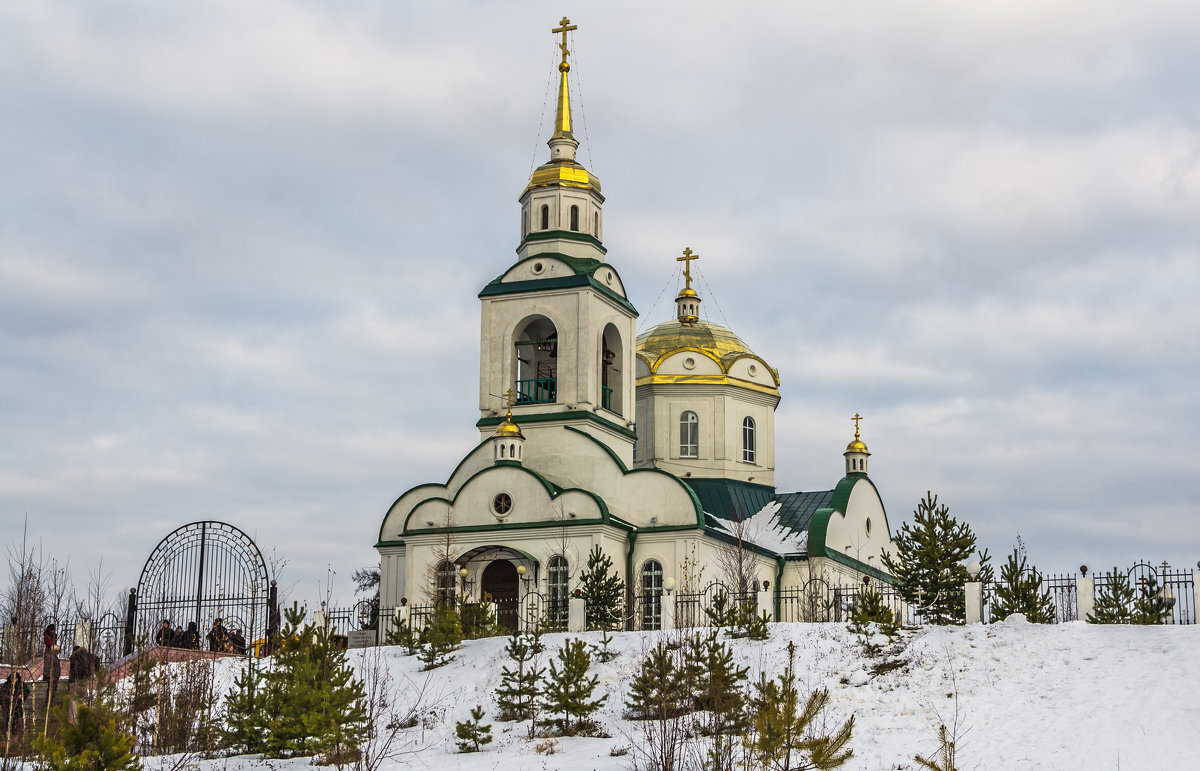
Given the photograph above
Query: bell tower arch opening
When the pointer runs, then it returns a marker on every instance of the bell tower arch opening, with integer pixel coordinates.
(535, 349)
(612, 374)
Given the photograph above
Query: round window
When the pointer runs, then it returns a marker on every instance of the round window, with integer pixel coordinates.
(608, 277)
(689, 363)
(868, 525)
(538, 267)
(753, 370)
(502, 504)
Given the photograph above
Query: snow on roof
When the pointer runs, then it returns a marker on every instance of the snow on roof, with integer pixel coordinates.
(763, 529)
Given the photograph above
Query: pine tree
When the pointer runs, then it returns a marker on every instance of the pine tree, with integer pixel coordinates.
(313, 704)
(1020, 591)
(719, 613)
(602, 591)
(442, 636)
(246, 711)
(655, 693)
(872, 616)
(405, 636)
(473, 734)
(603, 653)
(722, 698)
(784, 737)
(943, 759)
(520, 687)
(928, 566)
(569, 690)
(1151, 607)
(1114, 601)
(94, 742)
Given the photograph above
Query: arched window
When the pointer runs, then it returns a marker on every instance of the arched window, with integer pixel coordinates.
(596, 224)
(444, 596)
(689, 435)
(536, 349)
(545, 217)
(558, 577)
(651, 599)
(525, 223)
(748, 440)
(503, 450)
(574, 218)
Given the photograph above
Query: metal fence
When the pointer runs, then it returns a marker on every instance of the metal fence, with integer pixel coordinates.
(1174, 587)
(819, 601)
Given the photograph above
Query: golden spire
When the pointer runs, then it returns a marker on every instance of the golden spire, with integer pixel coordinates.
(562, 120)
(857, 445)
(688, 302)
(508, 428)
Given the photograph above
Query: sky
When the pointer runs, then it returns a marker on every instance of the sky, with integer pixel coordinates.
(241, 243)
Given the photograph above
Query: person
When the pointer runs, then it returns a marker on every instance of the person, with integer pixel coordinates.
(50, 667)
(191, 638)
(14, 692)
(218, 637)
(237, 642)
(177, 638)
(83, 664)
(165, 637)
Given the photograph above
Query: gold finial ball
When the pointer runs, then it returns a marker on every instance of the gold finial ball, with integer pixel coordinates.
(564, 67)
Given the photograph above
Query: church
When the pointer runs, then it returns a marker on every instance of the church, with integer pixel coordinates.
(657, 449)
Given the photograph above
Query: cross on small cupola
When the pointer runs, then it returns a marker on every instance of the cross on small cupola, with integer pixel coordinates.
(508, 440)
(856, 452)
(688, 302)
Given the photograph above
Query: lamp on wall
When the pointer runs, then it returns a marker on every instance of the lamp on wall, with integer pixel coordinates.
(521, 574)
(668, 585)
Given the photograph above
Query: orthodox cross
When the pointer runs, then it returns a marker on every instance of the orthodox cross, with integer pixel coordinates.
(510, 398)
(566, 26)
(856, 418)
(686, 259)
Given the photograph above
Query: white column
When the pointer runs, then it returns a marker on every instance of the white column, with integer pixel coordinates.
(576, 615)
(83, 634)
(766, 603)
(668, 610)
(1085, 595)
(974, 602)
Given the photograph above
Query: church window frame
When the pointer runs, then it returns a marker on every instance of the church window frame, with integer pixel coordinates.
(689, 434)
(444, 584)
(558, 579)
(545, 216)
(574, 218)
(749, 443)
(650, 579)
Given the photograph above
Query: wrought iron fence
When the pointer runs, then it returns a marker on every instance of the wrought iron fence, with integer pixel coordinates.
(1174, 587)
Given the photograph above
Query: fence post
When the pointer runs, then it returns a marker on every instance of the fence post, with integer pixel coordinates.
(83, 634)
(130, 620)
(576, 614)
(974, 602)
(668, 610)
(766, 604)
(1195, 598)
(1085, 595)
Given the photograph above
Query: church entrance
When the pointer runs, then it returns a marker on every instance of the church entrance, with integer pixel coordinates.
(500, 581)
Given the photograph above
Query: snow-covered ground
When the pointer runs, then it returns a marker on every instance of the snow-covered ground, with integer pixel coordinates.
(1069, 696)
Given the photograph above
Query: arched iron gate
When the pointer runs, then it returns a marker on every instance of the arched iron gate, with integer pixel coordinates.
(200, 572)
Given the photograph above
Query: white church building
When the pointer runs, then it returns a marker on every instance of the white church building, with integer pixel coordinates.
(659, 449)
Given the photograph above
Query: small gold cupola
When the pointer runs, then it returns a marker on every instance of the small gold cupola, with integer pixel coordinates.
(508, 440)
(856, 452)
(688, 302)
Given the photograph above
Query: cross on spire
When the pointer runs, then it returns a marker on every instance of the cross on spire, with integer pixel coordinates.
(510, 398)
(564, 27)
(686, 259)
(856, 418)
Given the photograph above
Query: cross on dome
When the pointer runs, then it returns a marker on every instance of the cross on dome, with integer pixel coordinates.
(686, 259)
(564, 27)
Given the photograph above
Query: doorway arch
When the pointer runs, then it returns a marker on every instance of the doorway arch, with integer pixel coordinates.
(500, 581)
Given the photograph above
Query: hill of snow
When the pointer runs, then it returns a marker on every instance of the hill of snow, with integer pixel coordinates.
(1069, 696)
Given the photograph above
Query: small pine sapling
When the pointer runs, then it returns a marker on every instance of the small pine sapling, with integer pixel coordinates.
(786, 737)
(442, 637)
(872, 617)
(1020, 591)
(1151, 607)
(93, 741)
(655, 693)
(405, 636)
(602, 652)
(602, 591)
(520, 686)
(247, 711)
(722, 699)
(473, 734)
(943, 759)
(1114, 600)
(720, 615)
(568, 697)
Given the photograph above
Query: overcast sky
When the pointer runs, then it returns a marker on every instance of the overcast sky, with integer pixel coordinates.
(240, 247)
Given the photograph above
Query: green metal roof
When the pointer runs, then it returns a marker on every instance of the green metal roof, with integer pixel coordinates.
(797, 509)
(736, 501)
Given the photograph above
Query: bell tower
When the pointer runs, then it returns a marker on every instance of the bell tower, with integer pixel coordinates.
(557, 327)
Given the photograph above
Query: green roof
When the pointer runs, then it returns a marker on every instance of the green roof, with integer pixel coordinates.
(736, 501)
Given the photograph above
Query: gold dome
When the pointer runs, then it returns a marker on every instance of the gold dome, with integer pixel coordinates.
(562, 174)
(712, 340)
(508, 429)
(857, 446)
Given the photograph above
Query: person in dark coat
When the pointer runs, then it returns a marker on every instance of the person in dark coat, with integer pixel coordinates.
(166, 636)
(14, 693)
(237, 642)
(218, 637)
(83, 664)
(51, 669)
(190, 638)
(177, 638)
